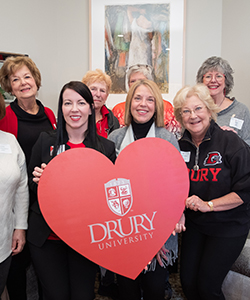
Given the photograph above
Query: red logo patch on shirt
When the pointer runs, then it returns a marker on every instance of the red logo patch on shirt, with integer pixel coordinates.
(213, 158)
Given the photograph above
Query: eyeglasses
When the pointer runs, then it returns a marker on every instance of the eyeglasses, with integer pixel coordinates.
(187, 112)
(218, 77)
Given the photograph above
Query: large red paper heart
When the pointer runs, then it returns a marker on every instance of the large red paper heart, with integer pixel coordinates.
(119, 215)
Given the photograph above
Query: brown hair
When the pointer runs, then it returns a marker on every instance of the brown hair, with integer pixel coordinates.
(159, 106)
(11, 65)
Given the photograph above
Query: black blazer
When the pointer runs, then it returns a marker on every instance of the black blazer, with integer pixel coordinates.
(38, 229)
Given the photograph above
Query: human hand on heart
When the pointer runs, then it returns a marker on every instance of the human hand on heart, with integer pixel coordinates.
(37, 173)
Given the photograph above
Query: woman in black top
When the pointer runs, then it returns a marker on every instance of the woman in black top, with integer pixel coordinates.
(64, 273)
(26, 118)
(217, 215)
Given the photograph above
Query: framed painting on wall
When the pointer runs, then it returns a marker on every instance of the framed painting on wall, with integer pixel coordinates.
(123, 34)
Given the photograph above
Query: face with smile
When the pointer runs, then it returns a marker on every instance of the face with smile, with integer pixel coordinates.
(195, 117)
(142, 105)
(23, 84)
(76, 111)
(215, 81)
(134, 77)
(99, 93)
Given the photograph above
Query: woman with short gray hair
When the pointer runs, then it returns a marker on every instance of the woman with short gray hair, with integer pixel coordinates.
(217, 74)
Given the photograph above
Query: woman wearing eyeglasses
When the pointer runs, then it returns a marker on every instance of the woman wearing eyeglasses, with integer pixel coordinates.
(216, 74)
(217, 216)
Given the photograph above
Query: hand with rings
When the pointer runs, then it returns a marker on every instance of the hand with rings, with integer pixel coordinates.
(197, 204)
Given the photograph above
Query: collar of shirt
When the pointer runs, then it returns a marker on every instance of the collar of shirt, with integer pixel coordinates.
(102, 125)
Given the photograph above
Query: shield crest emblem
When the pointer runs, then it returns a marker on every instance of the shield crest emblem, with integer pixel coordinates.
(119, 196)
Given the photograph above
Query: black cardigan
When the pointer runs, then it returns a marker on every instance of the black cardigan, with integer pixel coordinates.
(224, 162)
(38, 229)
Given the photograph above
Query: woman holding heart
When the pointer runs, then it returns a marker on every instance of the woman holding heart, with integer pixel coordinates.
(64, 273)
(217, 215)
(144, 117)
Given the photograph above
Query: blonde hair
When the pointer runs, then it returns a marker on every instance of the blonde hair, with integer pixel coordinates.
(159, 107)
(11, 65)
(97, 76)
(199, 90)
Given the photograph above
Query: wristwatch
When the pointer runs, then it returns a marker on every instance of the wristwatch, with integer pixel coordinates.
(211, 205)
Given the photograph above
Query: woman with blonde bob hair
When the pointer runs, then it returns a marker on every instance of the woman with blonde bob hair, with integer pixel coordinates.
(159, 108)
(140, 72)
(216, 220)
(144, 118)
(99, 84)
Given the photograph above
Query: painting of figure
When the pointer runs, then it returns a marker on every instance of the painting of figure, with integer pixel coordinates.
(137, 35)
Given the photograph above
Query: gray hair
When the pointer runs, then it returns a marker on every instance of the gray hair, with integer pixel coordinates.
(146, 70)
(219, 64)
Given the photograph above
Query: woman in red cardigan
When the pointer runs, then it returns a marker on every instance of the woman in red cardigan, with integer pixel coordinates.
(26, 118)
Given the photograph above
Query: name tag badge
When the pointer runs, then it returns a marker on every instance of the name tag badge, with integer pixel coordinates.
(236, 123)
(5, 148)
(186, 155)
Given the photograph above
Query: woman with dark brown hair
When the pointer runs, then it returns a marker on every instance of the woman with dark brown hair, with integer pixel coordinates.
(64, 274)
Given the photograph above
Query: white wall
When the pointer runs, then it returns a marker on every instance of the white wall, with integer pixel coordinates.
(203, 34)
(236, 45)
(55, 35)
